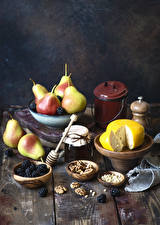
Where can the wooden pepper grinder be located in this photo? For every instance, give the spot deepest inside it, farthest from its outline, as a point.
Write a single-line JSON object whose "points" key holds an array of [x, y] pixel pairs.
{"points": [[139, 110]]}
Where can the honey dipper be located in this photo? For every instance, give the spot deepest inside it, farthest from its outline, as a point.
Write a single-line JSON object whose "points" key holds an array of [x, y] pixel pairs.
{"points": [[54, 154]]}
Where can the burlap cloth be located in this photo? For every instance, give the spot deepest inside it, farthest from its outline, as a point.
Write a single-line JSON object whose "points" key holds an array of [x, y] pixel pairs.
{"points": [[145, 175]]}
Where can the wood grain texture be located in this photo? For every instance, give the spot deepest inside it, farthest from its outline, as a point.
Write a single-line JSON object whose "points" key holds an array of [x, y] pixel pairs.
{"points": [[77, 210], [19, 205], [140, 208]]}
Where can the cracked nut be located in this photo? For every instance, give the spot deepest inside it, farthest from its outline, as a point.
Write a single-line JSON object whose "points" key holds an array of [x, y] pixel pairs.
{"points": [[74, 185], [80, 191], [81, 167], [60, 189]]}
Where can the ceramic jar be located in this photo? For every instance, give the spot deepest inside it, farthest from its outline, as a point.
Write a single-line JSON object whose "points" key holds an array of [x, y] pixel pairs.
{"points": [[110, 102]]}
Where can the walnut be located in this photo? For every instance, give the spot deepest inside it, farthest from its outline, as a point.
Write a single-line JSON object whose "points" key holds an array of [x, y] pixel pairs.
{"points": [[75, 185], [81, 167], [80, 191], [60, 189]]}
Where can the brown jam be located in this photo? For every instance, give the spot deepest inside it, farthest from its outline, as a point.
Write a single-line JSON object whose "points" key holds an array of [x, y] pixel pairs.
{"points": [[77, 152]]}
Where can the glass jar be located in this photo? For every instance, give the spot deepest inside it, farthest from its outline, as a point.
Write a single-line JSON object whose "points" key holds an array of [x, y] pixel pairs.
{"points": [[77, 144]]}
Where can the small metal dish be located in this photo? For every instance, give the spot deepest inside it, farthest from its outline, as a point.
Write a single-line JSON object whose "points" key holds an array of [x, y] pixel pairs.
{"points": [[116, 178], [84, 176]]}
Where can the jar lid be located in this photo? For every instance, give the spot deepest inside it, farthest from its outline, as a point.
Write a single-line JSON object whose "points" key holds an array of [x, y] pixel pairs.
{"points": [[110, 90], [77, 136]]}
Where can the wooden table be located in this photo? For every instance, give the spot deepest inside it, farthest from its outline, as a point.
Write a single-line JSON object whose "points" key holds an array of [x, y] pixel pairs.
{"points": [[22, 206]]}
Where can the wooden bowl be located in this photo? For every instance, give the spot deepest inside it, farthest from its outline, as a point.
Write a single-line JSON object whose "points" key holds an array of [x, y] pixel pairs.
{"points": [[108, 184], [127, 159], [83, 177], [32, 182]]}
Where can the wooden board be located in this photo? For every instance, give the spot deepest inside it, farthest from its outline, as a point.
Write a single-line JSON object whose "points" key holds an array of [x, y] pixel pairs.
{"points": [[77, 210], [142, 207], [19, 205]]}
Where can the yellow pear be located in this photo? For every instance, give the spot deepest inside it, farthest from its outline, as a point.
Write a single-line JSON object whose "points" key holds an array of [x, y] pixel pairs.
{"points": [[39, 91], [63, 84], [12, 133], [73, 101]]}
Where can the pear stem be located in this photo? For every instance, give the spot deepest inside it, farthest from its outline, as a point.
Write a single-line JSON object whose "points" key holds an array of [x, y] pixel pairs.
{"points": [[69, 79], [42, 159], [32, 81], [53, 88], [65, 69], [10, 115]]}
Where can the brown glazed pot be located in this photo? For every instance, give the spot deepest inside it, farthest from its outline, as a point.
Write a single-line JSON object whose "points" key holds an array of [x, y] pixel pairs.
{"points": [[110, 102]]}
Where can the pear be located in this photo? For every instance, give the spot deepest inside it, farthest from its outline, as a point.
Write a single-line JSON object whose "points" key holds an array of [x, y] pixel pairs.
{"points": [[31, 147], [48, 104], [73, 101], [38, 90], [63, 84], [12, 134]]}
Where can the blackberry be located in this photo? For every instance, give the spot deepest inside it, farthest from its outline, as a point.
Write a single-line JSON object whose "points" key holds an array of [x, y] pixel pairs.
{"points": [[42, 173], [22, 174], [60, 111], [9, 152], [59, 97], [33, 106], [42, 168], [43, 192], [35, 173], [101, 198], [28, 172], [115, 192], [19, 170], [25, 164], [32, 167]]}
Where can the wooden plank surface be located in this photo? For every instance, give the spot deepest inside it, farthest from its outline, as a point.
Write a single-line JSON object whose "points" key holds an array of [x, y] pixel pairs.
{"points": [[77, 210], [19, 205], [143, 207]]}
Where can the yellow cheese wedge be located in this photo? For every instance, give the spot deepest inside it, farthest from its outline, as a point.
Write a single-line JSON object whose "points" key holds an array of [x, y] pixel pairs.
{"points": [[122, 133]]}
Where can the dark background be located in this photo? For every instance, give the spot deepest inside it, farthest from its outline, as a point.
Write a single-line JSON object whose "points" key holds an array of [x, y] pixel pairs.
{"points": [[100, 40]]}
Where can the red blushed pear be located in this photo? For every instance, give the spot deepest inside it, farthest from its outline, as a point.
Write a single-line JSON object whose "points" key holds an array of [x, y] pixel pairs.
{"points": [[12, 133], [48, 104], [63, 84], [39, 91], [31, 147]]}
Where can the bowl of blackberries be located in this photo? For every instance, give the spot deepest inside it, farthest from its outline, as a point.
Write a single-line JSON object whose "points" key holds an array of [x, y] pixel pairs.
{"points": [[59, 119], [32, 174]]}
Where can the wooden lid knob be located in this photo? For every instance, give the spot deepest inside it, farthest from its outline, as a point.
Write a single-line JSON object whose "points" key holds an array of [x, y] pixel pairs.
{"points": [[139, 106]]}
